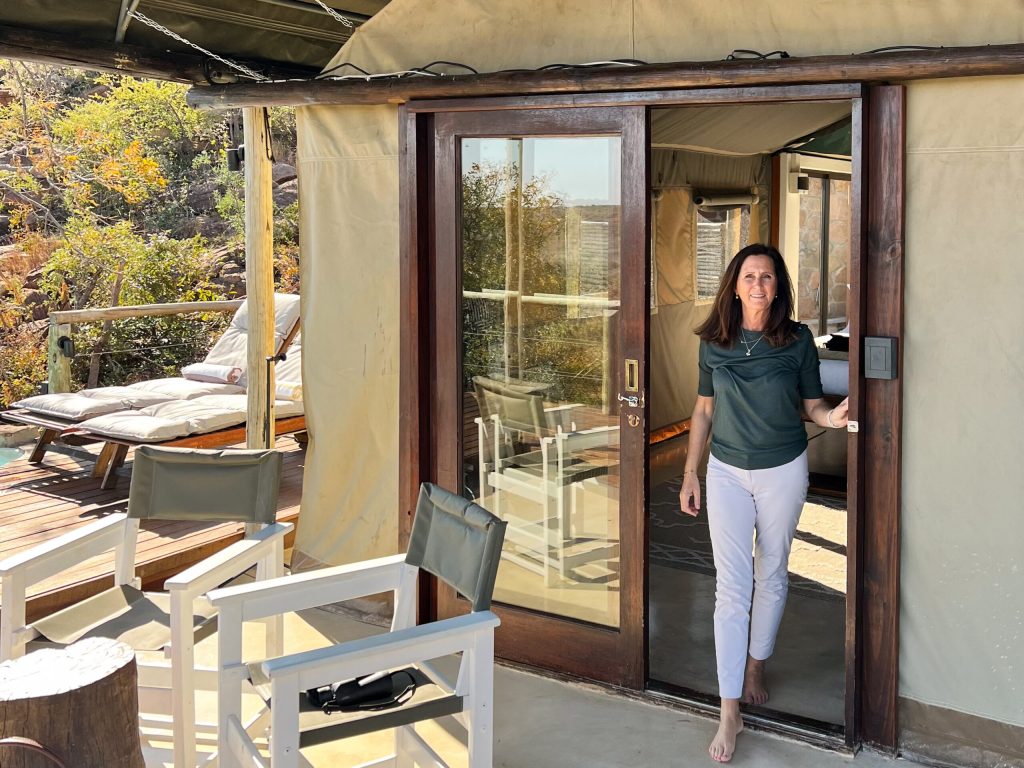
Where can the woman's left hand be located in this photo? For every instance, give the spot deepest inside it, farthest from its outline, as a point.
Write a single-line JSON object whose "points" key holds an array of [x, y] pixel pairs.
{"points": [[840, 415]]}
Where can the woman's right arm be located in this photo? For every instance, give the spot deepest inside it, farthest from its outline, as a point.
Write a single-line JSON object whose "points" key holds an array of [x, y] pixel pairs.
{"points": [[700, 429]]}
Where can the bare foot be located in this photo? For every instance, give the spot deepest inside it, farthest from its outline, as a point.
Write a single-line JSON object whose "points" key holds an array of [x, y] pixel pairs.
{"points": [[729, 725], [755, 691]]}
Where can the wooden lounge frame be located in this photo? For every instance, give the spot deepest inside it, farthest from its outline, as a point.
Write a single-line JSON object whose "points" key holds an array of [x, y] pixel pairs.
{"points": [[114, 451]]}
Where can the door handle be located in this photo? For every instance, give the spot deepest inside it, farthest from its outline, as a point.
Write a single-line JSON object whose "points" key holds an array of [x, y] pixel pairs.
{"points": [[632, 375], [632, 400]]}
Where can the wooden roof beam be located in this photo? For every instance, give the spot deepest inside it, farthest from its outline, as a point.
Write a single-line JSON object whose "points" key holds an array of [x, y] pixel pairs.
{"points": [[878, 67], [122, 58]]}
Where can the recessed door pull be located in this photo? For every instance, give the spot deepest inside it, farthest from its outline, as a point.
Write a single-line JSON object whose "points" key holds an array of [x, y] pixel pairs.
{"points": [[632, 375]]}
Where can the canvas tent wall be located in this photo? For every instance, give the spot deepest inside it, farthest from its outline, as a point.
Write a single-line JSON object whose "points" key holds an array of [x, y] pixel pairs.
{"points": [[962, 582]]}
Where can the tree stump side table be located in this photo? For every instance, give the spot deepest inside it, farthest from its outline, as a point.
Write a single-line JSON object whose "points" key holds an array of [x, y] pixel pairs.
{"points": [[79, 702]]}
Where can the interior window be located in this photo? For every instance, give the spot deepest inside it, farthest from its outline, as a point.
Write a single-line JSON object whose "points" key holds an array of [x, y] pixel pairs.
{"points": [[721, 232], [824, 254]]}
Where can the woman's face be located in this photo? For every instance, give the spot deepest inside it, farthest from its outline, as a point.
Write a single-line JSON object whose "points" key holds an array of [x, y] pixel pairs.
{"points": [[756, 284]]}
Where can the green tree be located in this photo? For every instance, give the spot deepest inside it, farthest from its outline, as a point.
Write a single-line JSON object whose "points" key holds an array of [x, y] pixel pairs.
{"points": [[513, 239], [103, 179]]}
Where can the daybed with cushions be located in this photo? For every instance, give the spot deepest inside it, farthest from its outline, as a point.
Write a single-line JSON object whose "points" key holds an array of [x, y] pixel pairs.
{"points": [[202, 408]]}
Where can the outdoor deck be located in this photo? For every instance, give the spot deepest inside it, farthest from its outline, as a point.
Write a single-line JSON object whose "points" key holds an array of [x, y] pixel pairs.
{"points": [[41, 501]]}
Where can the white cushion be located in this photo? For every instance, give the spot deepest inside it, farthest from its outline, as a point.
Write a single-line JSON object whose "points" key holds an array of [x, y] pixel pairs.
{"points": [[76, 406], [165, 421], [290, 369], [288, 390], [135, 425], [286, 314], [230, 348], [207, 419], [220, 374], [239, 403], [183, 389]]}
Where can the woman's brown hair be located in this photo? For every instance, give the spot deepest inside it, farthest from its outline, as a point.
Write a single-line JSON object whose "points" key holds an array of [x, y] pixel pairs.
{"points": [[722, 326]]}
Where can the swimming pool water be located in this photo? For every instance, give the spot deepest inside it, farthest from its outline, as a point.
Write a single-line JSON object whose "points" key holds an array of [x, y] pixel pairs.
{"points": [[8, 454]]}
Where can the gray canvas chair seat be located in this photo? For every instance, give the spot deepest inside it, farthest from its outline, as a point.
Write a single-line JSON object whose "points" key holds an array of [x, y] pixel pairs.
{"points": [[140, 619], [452, 539], [180, 484]]}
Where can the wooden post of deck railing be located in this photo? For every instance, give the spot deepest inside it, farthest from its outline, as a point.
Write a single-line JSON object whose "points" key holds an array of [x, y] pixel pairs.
{"points": [[259, 277], [58, 365]]}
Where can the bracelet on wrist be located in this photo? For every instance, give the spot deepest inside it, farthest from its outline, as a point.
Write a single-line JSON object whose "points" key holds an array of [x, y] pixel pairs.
{"points": [[688, 471], [828, 418]]}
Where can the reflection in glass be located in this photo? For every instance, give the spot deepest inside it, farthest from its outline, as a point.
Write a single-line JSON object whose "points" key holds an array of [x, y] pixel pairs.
{"points": [[540, 224]]}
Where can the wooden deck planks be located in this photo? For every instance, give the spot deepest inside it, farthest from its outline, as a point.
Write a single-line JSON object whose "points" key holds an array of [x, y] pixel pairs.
{"points": [[39, 502]]}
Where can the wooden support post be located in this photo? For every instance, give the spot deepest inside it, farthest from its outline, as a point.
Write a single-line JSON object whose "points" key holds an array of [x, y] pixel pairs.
{"points": [[46, 437], [58, 366], [107, 452], [259, 277], [80, 703], [115, 462]]}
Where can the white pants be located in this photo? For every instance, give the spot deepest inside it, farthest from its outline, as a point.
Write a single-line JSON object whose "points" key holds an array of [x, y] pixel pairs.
{"points": [[741, 502]]}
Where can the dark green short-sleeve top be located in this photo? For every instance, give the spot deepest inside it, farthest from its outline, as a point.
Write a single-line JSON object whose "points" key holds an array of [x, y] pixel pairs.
{"points": [[757, 421]]}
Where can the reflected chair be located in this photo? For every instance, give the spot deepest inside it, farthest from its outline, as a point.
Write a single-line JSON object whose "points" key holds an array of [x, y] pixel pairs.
{"points": [[453, 539], [535, 453], [167, 484], [521, 409]]}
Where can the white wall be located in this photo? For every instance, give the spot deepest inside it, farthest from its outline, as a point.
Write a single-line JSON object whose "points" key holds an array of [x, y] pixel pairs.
{"points": [[962, 589]]}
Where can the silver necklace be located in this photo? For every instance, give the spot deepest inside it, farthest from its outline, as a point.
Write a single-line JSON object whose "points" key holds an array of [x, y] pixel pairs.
{"points": [[747, 344]]}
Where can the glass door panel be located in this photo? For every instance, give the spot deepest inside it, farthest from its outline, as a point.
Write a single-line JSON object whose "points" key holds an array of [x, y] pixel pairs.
{"points": [[540, 240], [540, 309]]}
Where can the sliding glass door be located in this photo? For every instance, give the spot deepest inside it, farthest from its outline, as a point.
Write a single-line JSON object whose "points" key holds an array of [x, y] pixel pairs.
{"points": [[540, 275]]}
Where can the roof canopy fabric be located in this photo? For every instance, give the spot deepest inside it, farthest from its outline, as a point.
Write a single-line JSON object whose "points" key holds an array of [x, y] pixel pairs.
{"points": [[742, 129], [297, 34]]}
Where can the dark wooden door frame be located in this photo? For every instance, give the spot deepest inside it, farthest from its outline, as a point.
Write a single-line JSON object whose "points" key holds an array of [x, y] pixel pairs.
{"points": [[877, 258], [611, 655], [880, 411]]}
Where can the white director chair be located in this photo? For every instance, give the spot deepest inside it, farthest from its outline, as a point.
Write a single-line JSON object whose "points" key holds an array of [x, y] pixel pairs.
{"points": [[167, 484], [453, 539]]}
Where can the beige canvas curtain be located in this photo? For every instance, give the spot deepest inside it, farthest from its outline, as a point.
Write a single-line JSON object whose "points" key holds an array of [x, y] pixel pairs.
{"points": [[348, 184]]}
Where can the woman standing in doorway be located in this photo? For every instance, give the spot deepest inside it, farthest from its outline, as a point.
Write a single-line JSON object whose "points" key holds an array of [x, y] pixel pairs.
{"points": [[758, 368]]}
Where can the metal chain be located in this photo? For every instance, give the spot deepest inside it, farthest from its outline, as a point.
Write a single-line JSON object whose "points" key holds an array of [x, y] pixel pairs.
{"points": [[335, 15], [161, 28]]}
